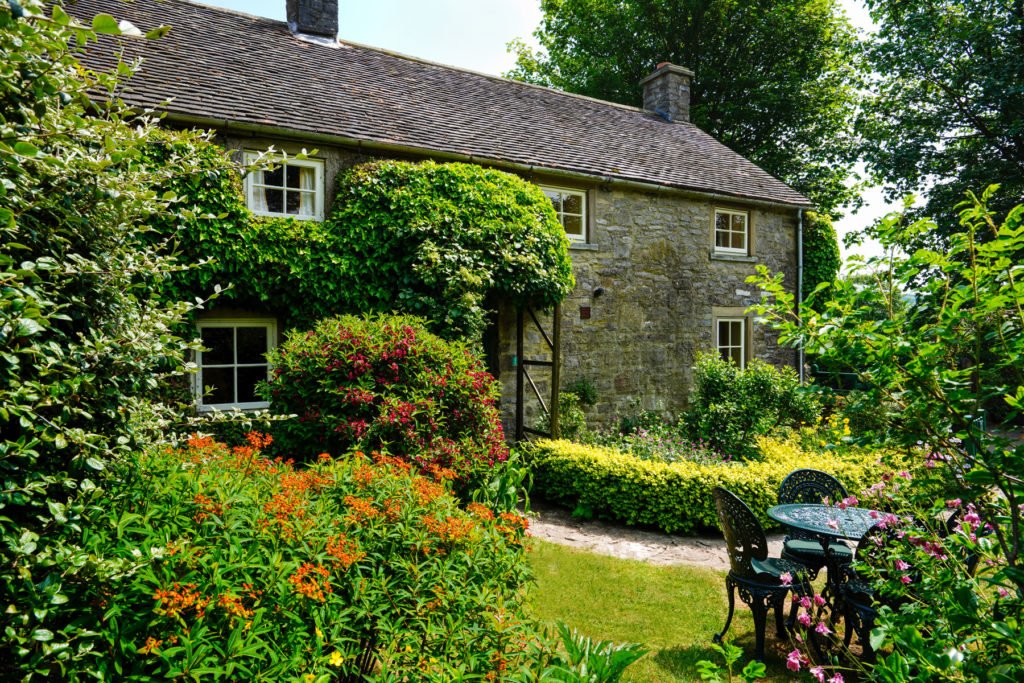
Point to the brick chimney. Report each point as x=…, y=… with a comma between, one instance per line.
x=316, y=19
x=667, y=92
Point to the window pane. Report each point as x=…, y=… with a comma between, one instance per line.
x=573, y=225
x=292, y=174
x=721, y=239
x=252, y=344
x=556, y=199
x=572, y=203
x=738, y=240
x=737, y=356
x=292, y=203
x=721, y=221
x=247, y=380
x=275, y=177
x=275, y=200
x=219, y=341
x=739, y=222
x=221, y=381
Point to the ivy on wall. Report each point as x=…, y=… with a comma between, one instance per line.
x=425, y=238
x=821, y=251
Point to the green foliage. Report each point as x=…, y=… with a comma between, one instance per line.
x=385, y=383
x=931, y=365
x=585, y=391
x=572, y=422
x=799, y=91
x=587, y=661
x=676, y=497
x=709, y=671
x=433, y=239
x=235, y=567
x=730, y=406
x=943, y=114
x=84, y=340
x=822, y=259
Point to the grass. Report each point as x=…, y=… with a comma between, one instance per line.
x=674, y=611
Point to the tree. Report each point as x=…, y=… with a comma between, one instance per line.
x=945, y=111
x=774, y=80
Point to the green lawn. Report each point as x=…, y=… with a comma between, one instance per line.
x=674, y=611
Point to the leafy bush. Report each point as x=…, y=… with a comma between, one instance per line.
x=385, y=383
x=572, y=422
x=434, y=239
x=660, y=441
x=730, y=406
x=676, y=497
x=236, y=567
x=84, y=340
x=822, y=259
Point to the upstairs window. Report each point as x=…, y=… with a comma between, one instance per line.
x=731, y=339
x=292, y=188
x=571, y=208
x=234, y=362
x=732, y=232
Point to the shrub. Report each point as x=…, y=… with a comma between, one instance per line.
x=730, y=406
x=676, y=497
x=236, y=567
x=435, y=239
x=572, y=422
x=385, y=383
x=822, y=258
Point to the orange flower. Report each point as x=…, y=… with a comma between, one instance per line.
x=151, y=646
x=234, y=606
x=451, y=530
x=426, y=490
x=181, y=599
x=360, y=510
x=363, y=476
x=324, y=457
x=207, y=507
x=345, y=551
x=481, y=511
x=305, y=581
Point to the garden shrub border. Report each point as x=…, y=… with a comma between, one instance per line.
x=676, y=497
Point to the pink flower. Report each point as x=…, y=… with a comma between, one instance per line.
x=793, y=660
x=838, y=678
x=849, y=501
x=805, y=619
x=902, y=566
x=819, y=673
x=954, y=503
x=822, y=628
x=786, y=578
x=819, y=601
x=905, y=475
x=1003, y=593
x=833, y=524
x=805, y=602
x=905, y=579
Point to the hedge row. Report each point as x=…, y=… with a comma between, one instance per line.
x=676, y=497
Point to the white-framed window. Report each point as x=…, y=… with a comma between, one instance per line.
x=234, y=362
x=732, y=231
x=571, y=208
x=292, y=188
x=731, y=339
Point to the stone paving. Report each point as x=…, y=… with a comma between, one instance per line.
x=556, y=525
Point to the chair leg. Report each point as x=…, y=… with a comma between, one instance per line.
x=759, y=606
x=779, y=605
x=730, y=588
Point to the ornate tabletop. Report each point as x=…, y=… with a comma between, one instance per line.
x=825, y=520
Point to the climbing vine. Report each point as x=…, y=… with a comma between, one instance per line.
x=821, y=251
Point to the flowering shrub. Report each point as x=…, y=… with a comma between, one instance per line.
x=385, y=383
x=659, y=442
x=236, y=567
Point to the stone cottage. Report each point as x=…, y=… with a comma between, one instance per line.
x=665, y=223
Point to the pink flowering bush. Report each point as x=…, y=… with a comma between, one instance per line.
x=384, y=383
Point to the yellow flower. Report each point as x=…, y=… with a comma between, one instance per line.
x=309, y=678
x=319, y=633
x=408, y=648
x=336, y=658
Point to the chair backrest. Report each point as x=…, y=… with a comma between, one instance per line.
x=810, y=486
x=744, y=536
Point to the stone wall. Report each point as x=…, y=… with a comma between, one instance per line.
x=650, y=256
x=652, y=286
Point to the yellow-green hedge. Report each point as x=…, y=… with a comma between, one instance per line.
x=676, y=497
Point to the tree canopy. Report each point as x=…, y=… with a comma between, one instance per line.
x=774, y=80
x=944, y=112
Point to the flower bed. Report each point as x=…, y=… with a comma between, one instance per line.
x=676, y=497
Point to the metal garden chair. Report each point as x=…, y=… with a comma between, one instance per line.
x=812, y=486
x=757, y=577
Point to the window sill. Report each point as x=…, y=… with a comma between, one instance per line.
x=582, y=246
x=736, y=258
x=228, y=408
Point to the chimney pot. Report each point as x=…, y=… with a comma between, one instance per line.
x=667, y=92
x=316, y=18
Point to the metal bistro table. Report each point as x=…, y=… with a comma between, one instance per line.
x=826, y=523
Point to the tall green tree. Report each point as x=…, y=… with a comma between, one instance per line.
x=774, y=78
x=945, y=111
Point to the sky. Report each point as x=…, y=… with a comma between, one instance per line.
x=473, y=34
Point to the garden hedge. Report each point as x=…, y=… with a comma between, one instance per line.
x=676, y=497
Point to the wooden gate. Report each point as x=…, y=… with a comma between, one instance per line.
x=523, y=377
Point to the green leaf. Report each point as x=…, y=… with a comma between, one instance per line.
x=158, y=32
x=60, y=17
x=95, y=464
x=106, y=24
x=42, y=635
x=25, y=148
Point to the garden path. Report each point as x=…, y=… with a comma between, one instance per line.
x=556, y=525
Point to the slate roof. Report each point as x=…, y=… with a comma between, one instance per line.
x=225, y=65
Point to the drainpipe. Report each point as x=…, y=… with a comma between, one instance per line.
x=800, y=282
